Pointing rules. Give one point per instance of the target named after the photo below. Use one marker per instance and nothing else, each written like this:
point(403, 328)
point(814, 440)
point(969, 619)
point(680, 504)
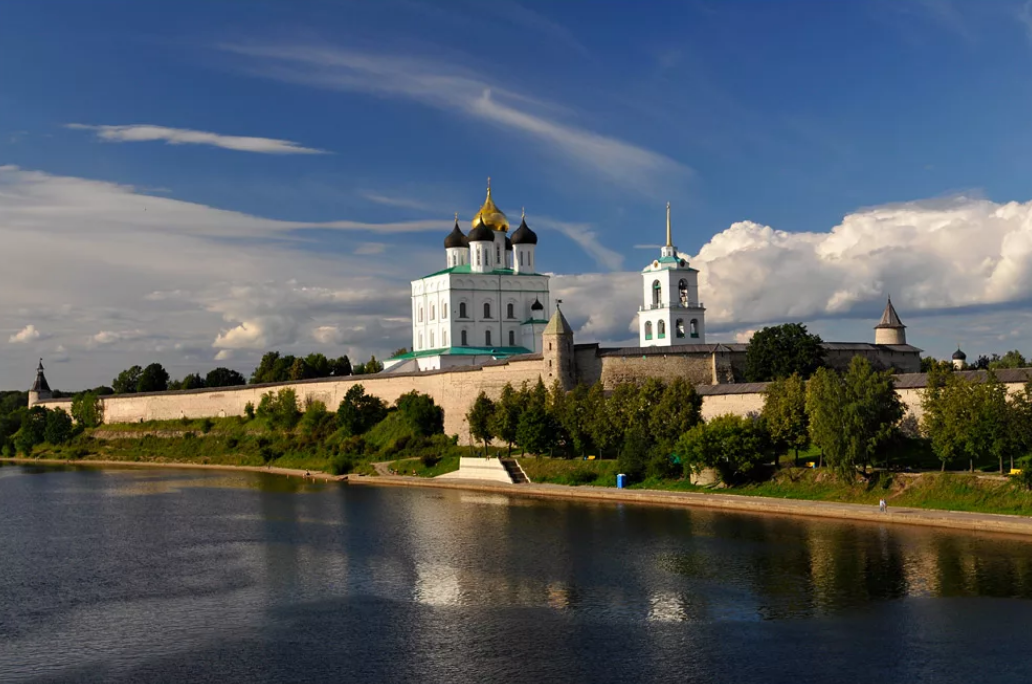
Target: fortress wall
point(587, 365)
point(739, 404)
point(696, 368)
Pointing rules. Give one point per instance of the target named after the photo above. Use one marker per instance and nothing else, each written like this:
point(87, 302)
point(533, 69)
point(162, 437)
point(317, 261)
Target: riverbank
point(957, 520)
point(268, 470)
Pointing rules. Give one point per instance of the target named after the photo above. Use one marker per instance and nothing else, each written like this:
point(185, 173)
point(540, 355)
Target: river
point(131, 575)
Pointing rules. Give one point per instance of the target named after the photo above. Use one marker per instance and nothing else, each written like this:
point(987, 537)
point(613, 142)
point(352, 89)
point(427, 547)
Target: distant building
point(40, 389)
point(959, 359)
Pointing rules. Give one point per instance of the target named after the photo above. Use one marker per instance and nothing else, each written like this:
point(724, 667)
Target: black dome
point(481, 234)
point(524, 235)
point(959, 355)
point(537, 305)
point(455, 238)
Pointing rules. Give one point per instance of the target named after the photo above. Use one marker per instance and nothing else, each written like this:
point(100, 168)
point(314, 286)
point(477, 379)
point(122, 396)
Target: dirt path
point(381, 468)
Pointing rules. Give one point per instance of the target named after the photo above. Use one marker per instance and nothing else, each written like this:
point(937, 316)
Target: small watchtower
point(890, 330)
point(40, 389)
point(557, 351)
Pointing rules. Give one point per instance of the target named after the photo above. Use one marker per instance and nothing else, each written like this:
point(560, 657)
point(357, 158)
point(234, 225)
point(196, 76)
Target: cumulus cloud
point(108, 337)
point(327, 334)
point(25, 335)
point(185, 136)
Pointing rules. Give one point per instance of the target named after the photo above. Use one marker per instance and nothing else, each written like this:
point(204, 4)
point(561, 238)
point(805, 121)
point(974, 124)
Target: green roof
point(465, 268)
point(669, 261)
point(464, 351)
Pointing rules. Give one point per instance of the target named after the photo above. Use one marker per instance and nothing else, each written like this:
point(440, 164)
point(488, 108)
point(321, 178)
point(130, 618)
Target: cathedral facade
point(488, 303)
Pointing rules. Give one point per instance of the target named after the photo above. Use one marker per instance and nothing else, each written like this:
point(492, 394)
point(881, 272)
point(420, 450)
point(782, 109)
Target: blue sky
point(818, 157)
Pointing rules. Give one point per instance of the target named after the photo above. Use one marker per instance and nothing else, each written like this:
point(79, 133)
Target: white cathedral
point(488, 302)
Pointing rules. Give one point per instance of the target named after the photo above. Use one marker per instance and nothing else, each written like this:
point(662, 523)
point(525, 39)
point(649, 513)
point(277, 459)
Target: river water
point(123, 575)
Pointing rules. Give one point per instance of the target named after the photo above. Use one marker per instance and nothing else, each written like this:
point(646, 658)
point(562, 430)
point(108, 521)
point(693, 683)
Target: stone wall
point(697, 368)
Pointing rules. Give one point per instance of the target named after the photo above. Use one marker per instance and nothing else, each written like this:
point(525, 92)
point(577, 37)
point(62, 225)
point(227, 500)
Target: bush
point(249, 410)
point(634, 455)
point(341, 464)
point(736, 446)
point(206, 425)
point(87, 410)
point(59, 428)
point(280, 410)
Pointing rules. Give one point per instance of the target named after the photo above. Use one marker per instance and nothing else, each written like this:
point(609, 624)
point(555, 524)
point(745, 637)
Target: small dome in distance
point(455, 238)
point(537, 305)
point(959, 355)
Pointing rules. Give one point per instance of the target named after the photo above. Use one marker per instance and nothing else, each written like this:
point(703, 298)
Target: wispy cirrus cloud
point(465, 92)
point(185, 136)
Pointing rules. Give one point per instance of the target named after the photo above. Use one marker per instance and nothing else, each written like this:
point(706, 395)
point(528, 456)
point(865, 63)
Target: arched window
point(462, 309)
point(693, 328)
point(444, 338)
point(657, 293)
point(420, 314)
point(462, 337)
point(433, 310)
point(682, 289)
point(512, 338)
point(444, 311)
point(478, 257)
point(487, 338)
point(679, 327)
point(510, 311)
point(498, 255)
point(420, 340)
point(648, 330)
point(521, 258)
point(431, 339)
point(661, 329)
point(487, 309)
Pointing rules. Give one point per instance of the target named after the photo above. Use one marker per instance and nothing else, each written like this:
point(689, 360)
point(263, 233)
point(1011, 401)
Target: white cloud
point(109, 337)
point(25, 335)
point(402, 202)
point(371, 248)
point(185, 136)
point(454, 89)
point(588, 240)
point(328, 334)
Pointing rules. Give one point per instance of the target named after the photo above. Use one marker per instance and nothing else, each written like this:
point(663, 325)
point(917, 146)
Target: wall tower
point(40, 389)
point(557, 351)
point(890, 330)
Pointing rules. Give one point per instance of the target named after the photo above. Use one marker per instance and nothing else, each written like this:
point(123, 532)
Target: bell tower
point(671, 313)
point(40, 389)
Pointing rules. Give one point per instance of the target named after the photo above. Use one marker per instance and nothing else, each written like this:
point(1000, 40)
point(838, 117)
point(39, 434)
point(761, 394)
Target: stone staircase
point(516, 473)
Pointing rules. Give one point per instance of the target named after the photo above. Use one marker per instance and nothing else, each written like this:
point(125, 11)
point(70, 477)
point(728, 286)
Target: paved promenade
point(979, 522)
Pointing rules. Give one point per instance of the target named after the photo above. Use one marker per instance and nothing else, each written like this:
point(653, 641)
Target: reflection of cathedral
point(671, 312)
point(488, 303)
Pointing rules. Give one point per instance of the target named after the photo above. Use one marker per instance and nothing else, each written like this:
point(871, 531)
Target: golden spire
point(669, 242)
point(490, 215)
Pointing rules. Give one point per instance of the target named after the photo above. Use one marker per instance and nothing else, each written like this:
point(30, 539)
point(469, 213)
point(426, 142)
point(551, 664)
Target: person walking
point(881, 505)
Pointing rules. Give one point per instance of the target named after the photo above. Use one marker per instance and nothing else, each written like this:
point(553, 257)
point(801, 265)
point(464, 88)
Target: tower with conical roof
point(40, 389)
point(557, 351)
point(890, 330)
point(671, 312)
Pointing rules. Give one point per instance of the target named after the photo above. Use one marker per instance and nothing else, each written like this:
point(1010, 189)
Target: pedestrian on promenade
point(881, 505)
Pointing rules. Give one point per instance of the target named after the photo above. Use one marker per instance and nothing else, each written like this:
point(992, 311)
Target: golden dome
point(490, 215)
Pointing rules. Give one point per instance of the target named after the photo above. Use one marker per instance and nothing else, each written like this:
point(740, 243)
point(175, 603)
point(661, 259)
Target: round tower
point(40, 389)
point(890, 330)
point(456, 246)
point(557, 351)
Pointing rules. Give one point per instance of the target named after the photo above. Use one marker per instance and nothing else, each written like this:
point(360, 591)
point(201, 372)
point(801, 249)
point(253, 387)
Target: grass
point(410, 466)
point(564, 471)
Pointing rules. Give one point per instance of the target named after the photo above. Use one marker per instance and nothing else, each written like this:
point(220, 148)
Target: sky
point(196, 183)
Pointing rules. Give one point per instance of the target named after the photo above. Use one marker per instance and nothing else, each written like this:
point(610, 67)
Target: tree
point(929, 362)
point(272, 368)
point(59, 428)
point(781, 350)
point(479, 418)
point(359, 412)
point(33, 430)
point(280, 409)
point(127, 380)
point(678, 411)
point(784, 412)
point(154, 378)
point(191, 381)
point(971, 419)
point(733, 445)
point(340, 367)
point(87, 410)
point(634, 454)
point(1012, 359)
point(535, 430)
point(298, 370)
point(223, 377)
point(575, 418)
point(318, 366)
point(316, 423)
point(506, 416)
point(399, 352)
point(369, 367)
point(420, 411)
point(852, 415)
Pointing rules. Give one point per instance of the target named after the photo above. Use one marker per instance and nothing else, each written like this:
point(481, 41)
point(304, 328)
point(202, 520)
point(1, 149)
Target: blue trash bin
point(621, 481)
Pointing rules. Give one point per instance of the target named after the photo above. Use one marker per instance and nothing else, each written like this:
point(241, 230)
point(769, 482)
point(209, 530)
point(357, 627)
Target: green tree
point(561, 412)
point(316, 423)
point(127, 380)
point(534, 432)
point(575, 418)
point(784, 413)
point(272, 368)
point(399, 352)
point(621, 415)
point(634, 453)
point(32, 431)
point(942, 403)
point(1012, 359)
point(781, 350)
point(852, 415)
point(479, 418)
point(154, 378)
point(506, 416)
point(279, 409)
point(359, 412)
point(191, 381)
point(318, 366)
point(420, 411)
point(340, 367)
point(87, 410)
point(59, 428)
point(223, 377)
point(736, 446)
point(678, 411)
